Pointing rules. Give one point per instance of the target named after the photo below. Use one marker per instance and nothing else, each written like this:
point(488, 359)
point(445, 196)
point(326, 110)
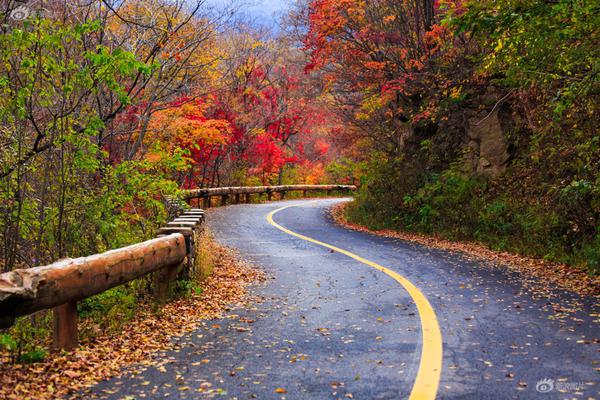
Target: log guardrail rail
point(59, 286)
point(226, 192)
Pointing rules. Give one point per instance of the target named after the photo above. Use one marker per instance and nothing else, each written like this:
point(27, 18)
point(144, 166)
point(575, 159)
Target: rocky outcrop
point(487, 149)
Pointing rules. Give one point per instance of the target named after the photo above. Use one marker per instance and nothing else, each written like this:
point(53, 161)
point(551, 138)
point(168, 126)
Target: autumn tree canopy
point(110, 106)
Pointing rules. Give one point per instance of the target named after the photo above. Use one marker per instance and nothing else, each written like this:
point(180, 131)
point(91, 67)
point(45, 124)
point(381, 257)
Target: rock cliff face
point(487, 149)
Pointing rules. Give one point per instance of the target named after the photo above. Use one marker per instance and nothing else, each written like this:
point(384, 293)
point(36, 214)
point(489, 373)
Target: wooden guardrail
point(236, 192)
point(60, 285)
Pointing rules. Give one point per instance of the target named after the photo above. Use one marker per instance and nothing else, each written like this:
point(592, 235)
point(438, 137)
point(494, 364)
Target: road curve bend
point(430, 365)
point(348, 315)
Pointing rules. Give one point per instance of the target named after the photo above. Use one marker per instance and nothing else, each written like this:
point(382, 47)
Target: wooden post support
point(269, 195)
point(328, 193)
point(304, 192)
point(65, 326)
point(206, 202)
point(282, 195)
point(247, 197)
point(224, 199)
point(164, 282)
point(237, 198)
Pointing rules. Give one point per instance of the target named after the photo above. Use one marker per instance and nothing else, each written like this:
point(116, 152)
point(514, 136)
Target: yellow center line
point(430, 367)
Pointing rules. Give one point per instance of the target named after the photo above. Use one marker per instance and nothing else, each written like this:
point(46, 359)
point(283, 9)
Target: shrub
point(114, 307)
point(496, 213)
point(23, 343)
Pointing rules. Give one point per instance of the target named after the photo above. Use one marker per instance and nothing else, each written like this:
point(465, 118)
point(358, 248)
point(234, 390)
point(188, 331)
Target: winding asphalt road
point(330, 326)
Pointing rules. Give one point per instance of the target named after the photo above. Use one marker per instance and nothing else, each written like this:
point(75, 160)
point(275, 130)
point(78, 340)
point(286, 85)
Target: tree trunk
point(428, 13)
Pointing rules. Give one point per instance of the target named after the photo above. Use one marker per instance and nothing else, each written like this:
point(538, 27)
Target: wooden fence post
point(65, 326)
point(304, 192)
point(165, 278)
point(247, 197)
point(164, 282)
point(237, 198)
point(206, 201)
point(224, 199)
point(269, 195)
point(282, 195)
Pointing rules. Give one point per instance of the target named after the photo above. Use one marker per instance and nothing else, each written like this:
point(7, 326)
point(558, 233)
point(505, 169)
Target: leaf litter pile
point(538, 276)
point(150, 331)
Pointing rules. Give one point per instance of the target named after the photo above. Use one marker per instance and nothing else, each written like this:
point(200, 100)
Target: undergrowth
point(459, 207)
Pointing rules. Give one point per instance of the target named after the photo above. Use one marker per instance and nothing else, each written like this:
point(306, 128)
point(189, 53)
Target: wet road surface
point(330, 327)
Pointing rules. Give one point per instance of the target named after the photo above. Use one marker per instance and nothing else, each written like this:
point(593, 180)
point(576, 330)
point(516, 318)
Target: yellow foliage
point(186, 126)
point(455, 92)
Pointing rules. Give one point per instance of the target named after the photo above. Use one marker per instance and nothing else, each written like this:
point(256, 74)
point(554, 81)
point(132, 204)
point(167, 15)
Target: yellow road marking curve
point(430, 367)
